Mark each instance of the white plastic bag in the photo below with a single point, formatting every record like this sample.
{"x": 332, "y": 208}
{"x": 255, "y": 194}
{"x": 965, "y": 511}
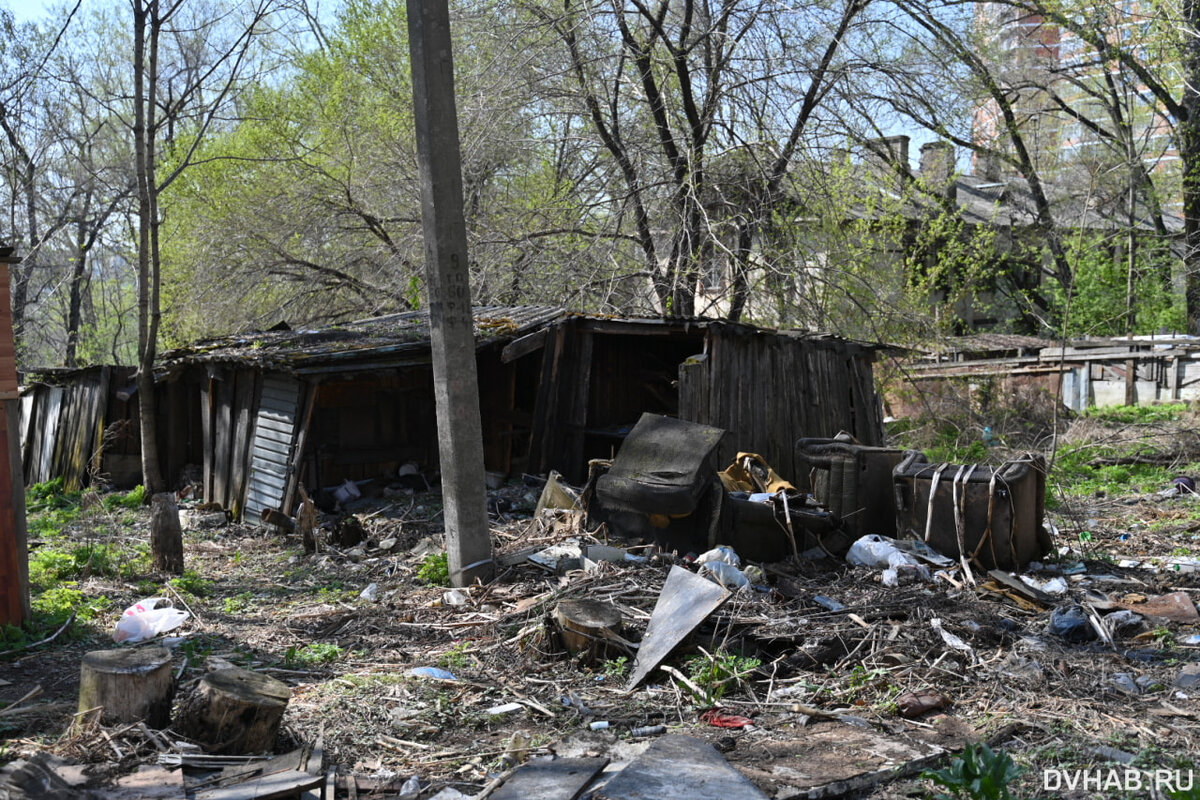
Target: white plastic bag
{"x": 720, "y": 553}
{"x": 726, "y": 574}
{"x": 144, "y": 620}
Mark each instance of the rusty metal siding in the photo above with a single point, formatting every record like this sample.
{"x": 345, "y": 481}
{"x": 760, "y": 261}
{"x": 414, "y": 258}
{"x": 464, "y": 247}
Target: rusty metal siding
{"x": 272, "y": 447}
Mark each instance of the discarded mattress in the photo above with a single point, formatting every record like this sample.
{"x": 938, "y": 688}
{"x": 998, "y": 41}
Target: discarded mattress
{"x": 992, "y": 514}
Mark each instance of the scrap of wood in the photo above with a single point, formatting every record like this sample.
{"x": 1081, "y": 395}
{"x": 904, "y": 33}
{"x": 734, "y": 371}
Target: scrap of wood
{"x": 152, "y": 782}
{"x": 1019, "y": 587}
{"x": 1021, "y": 602}
{"x": 11, "y": 708}
{"x": 550, "y": 779}
{"x": 277, "y": 786}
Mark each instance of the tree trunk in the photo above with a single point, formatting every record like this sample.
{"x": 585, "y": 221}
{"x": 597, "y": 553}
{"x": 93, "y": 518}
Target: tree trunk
{"x": 130, "y": 684}
{"x": 235, "y": 711}
{"x": 588, "y": 627}
{"x": 166, "y": 534}
{"x": 145, "y": 21}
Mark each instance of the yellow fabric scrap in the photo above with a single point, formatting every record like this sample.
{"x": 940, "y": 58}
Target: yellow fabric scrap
{"x": 740, "y": 476}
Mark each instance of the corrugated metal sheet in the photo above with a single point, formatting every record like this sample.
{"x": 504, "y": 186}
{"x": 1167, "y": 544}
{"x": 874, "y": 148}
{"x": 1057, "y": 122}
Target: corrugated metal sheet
{"x": 271, "y": 450}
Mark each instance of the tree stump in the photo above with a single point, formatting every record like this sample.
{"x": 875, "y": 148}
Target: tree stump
{"x": 234, "y": 712}
{"x": 588, "y": 627}
{"x": 130, "y": 684}
{"x": 166, "y": 534}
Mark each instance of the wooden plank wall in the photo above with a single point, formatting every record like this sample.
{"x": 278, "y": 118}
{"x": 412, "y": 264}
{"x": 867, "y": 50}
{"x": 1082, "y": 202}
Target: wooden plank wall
{"x": 64, "y": 428}
{"x": 229, "y": 401}
{"x": 768, "y": 390}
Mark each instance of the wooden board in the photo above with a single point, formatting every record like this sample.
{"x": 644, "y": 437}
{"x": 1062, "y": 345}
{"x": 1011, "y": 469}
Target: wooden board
{"x": 685, "y": 601}
{"x": 550, "y": 779}
{"x": 680, "y": 768}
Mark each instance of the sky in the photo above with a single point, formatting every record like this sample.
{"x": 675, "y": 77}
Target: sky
{"x": 26, "y": 10}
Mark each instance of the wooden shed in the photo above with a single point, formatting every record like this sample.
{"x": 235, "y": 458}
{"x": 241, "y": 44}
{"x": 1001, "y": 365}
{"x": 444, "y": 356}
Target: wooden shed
{"x": 284, "y": 408}
{"x": 82, "y": 424}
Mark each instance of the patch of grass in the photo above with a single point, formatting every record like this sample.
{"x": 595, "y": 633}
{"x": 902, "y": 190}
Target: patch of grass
{"x": 456, "y": 658}
{"x": 238, "y": 603}
{"x": 192, "y": 583}
{"x": 435, "y": 570}
{"x": 1133, "y": 415}
{"x": 312, "y": 654}
{"x": 55, "y": 605}
{"x": 132, "y": 500}
{"x": 50, "y": 496}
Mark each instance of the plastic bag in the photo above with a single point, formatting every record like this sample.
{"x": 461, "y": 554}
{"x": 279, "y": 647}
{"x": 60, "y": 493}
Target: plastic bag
{"x": 721, "y": 553}
{"x": 145, "y": 620}
{"x": 726, "y": 574}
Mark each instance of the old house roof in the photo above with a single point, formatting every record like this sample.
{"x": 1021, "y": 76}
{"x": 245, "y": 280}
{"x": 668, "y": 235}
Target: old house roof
{"x": 389, "y": 340}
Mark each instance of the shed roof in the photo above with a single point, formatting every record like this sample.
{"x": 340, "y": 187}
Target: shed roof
{"x": 392, "y": 339}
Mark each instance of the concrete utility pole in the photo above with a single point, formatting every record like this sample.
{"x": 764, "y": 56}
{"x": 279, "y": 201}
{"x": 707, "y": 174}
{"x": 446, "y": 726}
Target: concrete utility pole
{"x": 460, "y": 435}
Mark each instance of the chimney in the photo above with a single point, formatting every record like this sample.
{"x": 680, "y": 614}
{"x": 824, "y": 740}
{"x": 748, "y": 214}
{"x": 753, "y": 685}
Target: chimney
{"x": 937, "y": 166}
{"x": 889, "y": 150}
{"x": 987, "y": 166}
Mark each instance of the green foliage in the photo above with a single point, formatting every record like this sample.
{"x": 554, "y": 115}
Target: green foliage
{"x": 714, "y": 672}
{"x": 456, "y": 658}
{"x": 616, "y": 667}
{"x": 1133, "y": 415}
{"x": 238, "y": 603}
{"x": 435, "y": 570}
{"x": 980, "y": 773}
{"x": 55, "y": 605}
{"x": 133, "y": 500}
{"x": 193, "y": 583}
{"x": 1096, "y": 305}
{"x": 313, "y": 654}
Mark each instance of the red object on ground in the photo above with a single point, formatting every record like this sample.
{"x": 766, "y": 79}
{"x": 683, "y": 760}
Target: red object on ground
{"x": 723, "y": 719}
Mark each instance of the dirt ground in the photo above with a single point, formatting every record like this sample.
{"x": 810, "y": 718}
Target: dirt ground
{"x": 260, "y": 601}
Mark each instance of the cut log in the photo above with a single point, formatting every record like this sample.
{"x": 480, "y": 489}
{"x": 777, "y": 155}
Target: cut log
{"x": 234, "y": 711}
{"x": 166, "y": 534}
{"x": 130, "y": 684}
{"x": 588, "y": 627}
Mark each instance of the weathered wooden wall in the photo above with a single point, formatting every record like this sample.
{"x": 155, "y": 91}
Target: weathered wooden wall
{"x": 64, "y": 426}
{"x": 769, "y": 389}
{"x": 228, "y": 405}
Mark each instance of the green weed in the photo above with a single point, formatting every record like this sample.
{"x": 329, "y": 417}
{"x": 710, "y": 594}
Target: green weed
{"x": 980, "y": 773}
{"x": 312, "y": 654}
{"x": 192, "y": 583}
{"x": 714, "y": 673}
{"x": 616, "y": 667}
{"x": 133, "y": 500}
{"x": 435, "y": 570}
{"x": 456, "y": 658}
{"x": 238, "y": 604}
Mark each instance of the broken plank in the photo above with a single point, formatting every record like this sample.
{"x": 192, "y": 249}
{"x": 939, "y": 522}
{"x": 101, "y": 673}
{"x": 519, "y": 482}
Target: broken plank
{"x": 685, "y": 601}
{"x": 149, "y": 783}
{"x": 1018, "y": 586}
{"x": 280, "y": 785}
{"x": 680, "y": 768}
{"x": 550, "y": 779}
